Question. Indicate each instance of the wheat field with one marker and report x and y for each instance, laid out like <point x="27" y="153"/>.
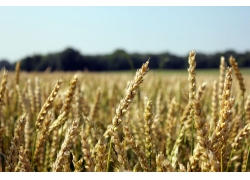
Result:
<point x="142" y="121"/>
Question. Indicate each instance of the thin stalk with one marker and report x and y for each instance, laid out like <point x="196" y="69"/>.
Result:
<point x="33" y="151"/>
<point x="243" y="111"/>
<point x="61" y="136"/>
<point x="149" y="161"/>
<point x="247" y="158"/>
<point x="192" y="143"/>
<point x="109" y="155"/>
<point x="231" y="155"/>
<point x="221" y="159"/>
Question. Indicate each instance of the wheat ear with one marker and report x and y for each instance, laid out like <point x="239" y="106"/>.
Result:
<point x="192" y="90"/>
<point x="66" y="106"/>
<point x="12" y="155"/>
<point x="47" y="105"/>
<point x="66" y="147"/>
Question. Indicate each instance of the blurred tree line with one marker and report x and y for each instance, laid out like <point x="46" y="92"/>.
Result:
<point x="72" y="60"/>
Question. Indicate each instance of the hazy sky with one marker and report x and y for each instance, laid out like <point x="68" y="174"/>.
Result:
<point x="100" y="30"/>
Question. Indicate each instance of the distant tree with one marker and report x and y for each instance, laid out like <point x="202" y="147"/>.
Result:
<point x="120" y="60"/>
<point x="72" y="60"/>
<point x="202" y="62"/>
<point x="30" y="63"/>
<point x="5" y="64"/>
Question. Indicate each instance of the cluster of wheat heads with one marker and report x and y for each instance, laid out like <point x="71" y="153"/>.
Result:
<point x="86" y="122"/>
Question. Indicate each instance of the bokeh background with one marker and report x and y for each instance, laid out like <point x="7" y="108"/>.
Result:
<point x="103" y="38"/>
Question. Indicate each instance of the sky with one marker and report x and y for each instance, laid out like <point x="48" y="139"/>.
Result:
<point x="92" y="30"/>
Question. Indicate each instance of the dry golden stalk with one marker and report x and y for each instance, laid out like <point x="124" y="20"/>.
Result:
<point x="93" y="114"/>
<point x="95" y="107"/>
<point x="162" y="164"/>
<point x="184" y="117"/>
<point x="235" y="158"/>
<point x="47" y="105"/>
<point x="12" y="155"/>
<point x="148" y="116"/>
<point x="122" y="108"/>
<point x="65" y="148"/>
<point x="119" y="169"/>
<point x="116" y="167"/>
<point x="17" y="72"/>
<point x="85" y="107"/>
<point x="192" y="93"/>
<point x="89" y="163"/>
<point x="170" y="116"/>
<point x="27" y="136"/>
<point x="24" y="161"/>
<point x="66" y="163"/>
<point x="77" y="163"/>
<point x="221" y="133"/>
<point x="242" y="134"/>
<point x="238" y="74"/>
<point x="3" y="85"/>
<point x="101" y="155"/>
<point x="215" y="166"/>
<point x="40" y="144"/>
<point x="121" y="153"/>
<point x="227" y="87"/>
<point x="195" y="158"/>
<point x="37" y="95"/>
<point x="159" y="163"/>
<point x="176" y="147"/>
<point x="20" y="100"/>
<point x="69" y="97"/>
<point x="167" y="165"/>
<point x="237" y="165"/>
<point x="182" y="167"/>
<point x="31" y="97"/>
<point x="46" y="166"/>
<point x="191" y="76"/>
<point x="93" y="126"/>
<point x="188" y="167"/>
<point x="137" y="128"/>
<point x="9" y="127"/>
<point x="236" y="126"/>
<point x="67" y="103"/>
<point x="59" y="120"/>
<point x="8" y="100"/>
<point x="225" y="155"/>
<point x="156" y="121"/>
<point x="222" y="78"/>
<point x="159" y="105"/>
<point x="169" y="146"/>
<point x="202" y="134"/>
<point x="2" y="92"/>
<point x="215" y="115"/>
<point x="200" y="91"/>
<point x="141" y="156"/>
<point x="136" y="167"/>
<point x="170" y="127"/>
<point x="131" y="91"/>
<point x="201" y="125"/>
<point x="247" y="109"/>
<point x="244" y="162"/>
<point x="78" y="105"/>
<point x="54" y="145"/>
